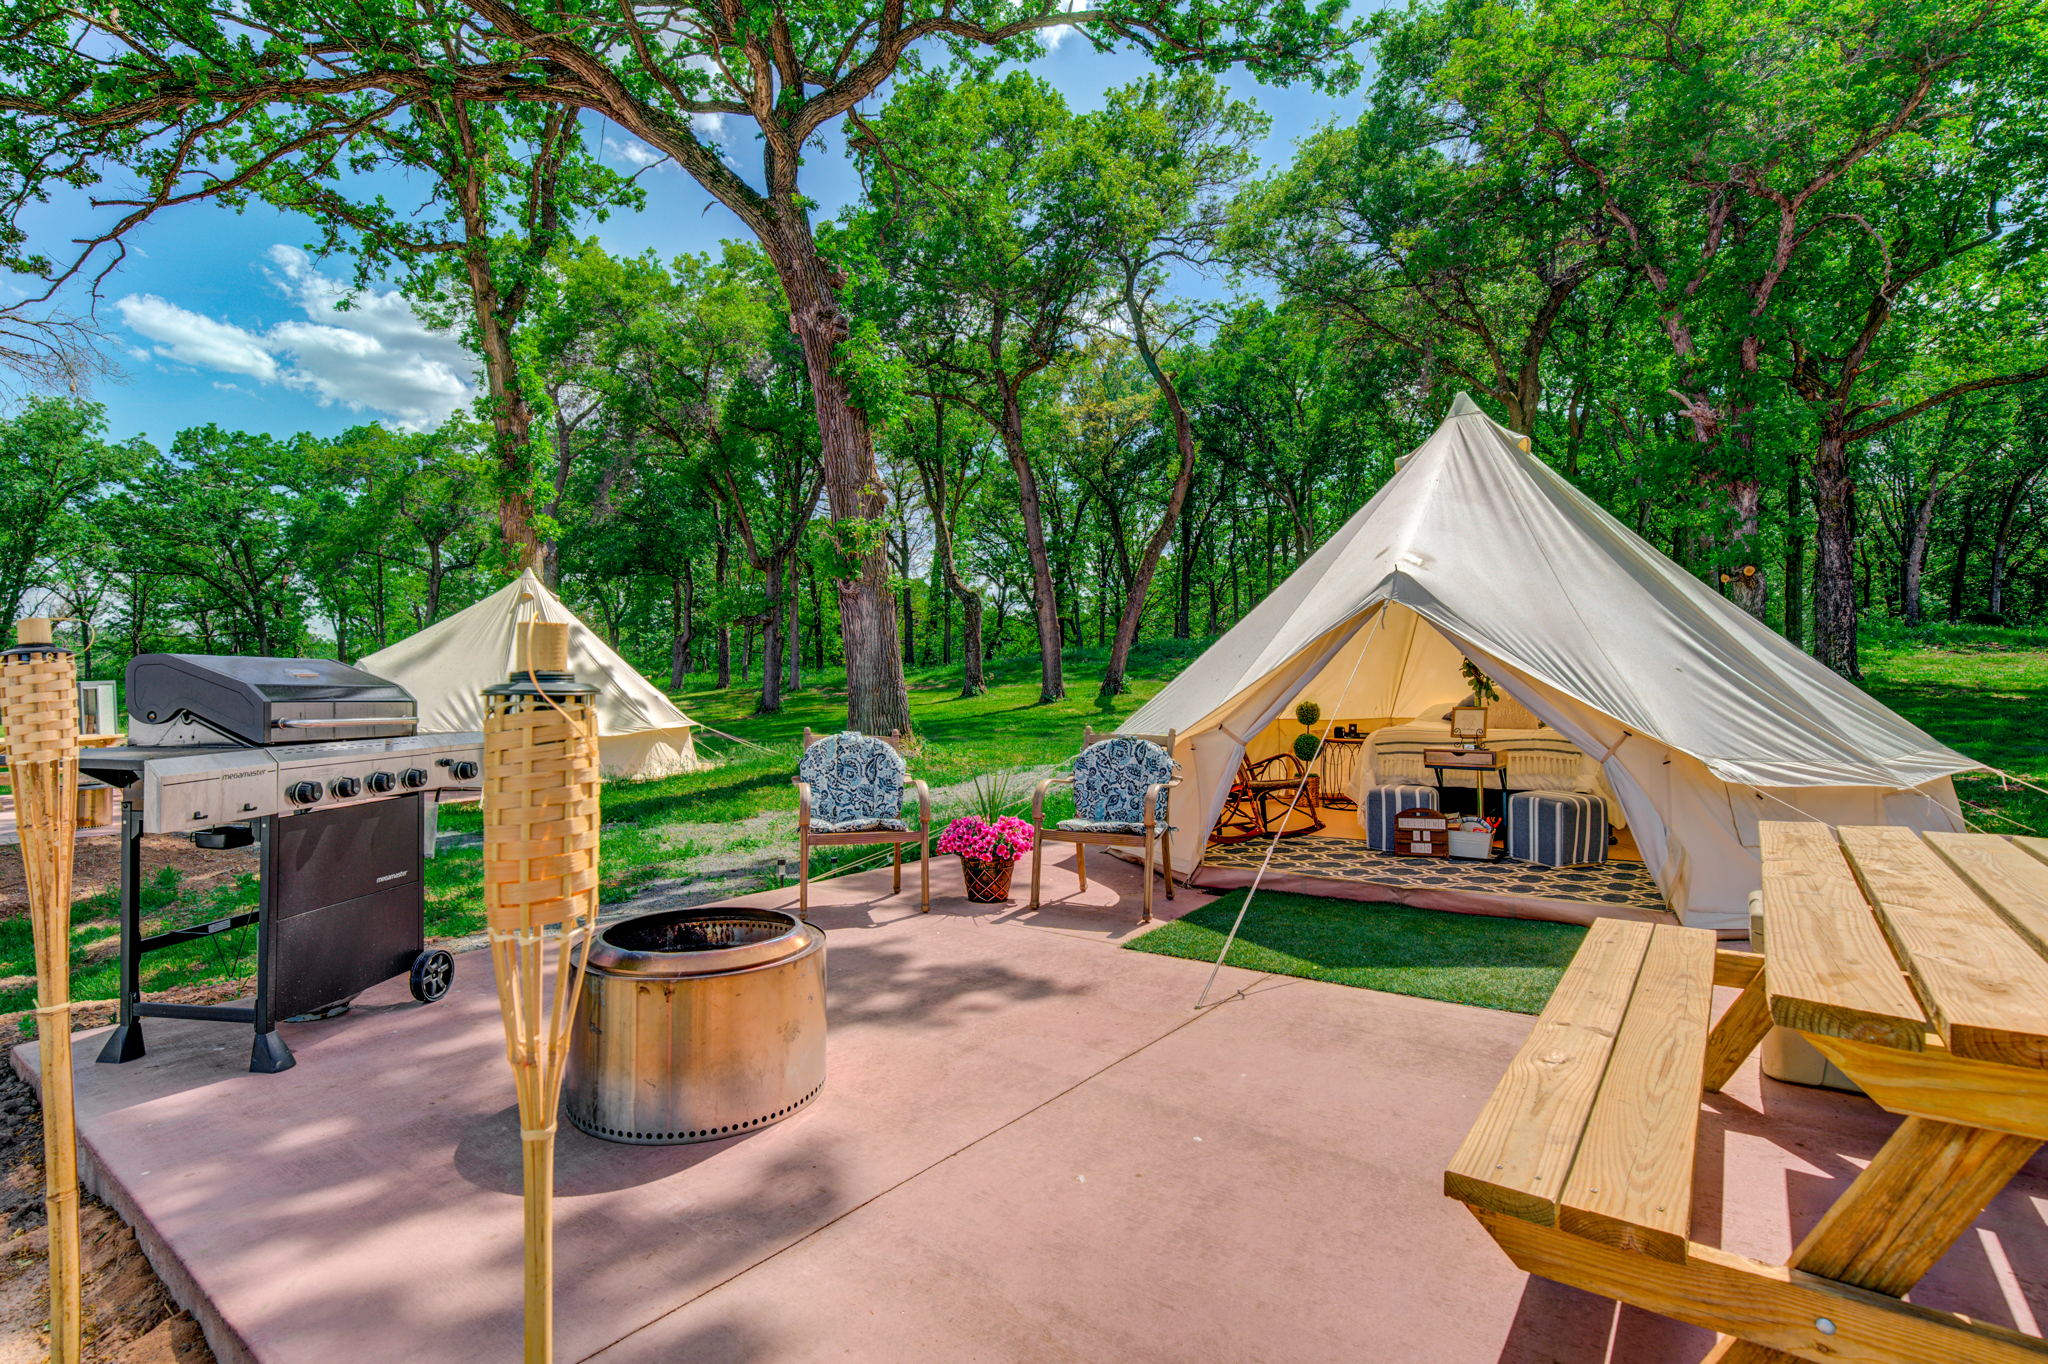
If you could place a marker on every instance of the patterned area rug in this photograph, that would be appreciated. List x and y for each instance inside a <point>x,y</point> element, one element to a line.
<point>1350,859</point>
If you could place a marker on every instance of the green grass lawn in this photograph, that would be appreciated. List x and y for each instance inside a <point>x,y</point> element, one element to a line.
<point>961,738</point>
<point>1983,692</point>
<point>1510,964</point>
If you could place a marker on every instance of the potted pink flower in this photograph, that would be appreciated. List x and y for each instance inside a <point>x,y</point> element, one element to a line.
<point>988,850</point>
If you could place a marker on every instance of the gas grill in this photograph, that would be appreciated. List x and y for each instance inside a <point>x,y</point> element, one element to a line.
<point>247,751</point>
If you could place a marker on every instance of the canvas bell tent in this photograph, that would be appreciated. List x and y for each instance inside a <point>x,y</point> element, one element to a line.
<point>1697,720</point>
<point>446,666</point>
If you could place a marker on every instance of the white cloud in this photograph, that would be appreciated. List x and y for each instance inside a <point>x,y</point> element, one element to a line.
<point>1053,37</point>
<point>195,340</point>
<point>633,152</point>
<point>712,128</point>
<point>372,355</point>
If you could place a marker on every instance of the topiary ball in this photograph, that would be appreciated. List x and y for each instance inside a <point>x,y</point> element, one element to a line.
<point>1306,746</point>
<point>1308,712</point>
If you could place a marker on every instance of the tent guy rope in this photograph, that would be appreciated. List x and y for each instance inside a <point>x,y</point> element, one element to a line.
<point>1258,877</point>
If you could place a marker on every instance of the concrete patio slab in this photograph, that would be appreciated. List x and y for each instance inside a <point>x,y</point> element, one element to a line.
<point>1029,1147</point>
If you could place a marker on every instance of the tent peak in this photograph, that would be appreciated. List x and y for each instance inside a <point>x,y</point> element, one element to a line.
<point>1463,406</point>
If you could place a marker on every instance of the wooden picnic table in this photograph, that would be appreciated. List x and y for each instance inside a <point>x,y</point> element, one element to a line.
<point>1918,965</point>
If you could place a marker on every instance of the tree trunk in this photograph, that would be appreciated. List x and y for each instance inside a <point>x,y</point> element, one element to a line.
<point>909,618</point>
<point>718,574</point>
<point>877,701</point>
<point>1184,580</point>
<point>817,624</point>
<point>1052,682</point>
<point>796,638</point>
<point>945,600</point>
<point>683,611</point>
<point>1834,569</point>
<point>1959,568</point>
<point>1750,591</point>
<point>771,653</point>
<point>1140,584</point>
<point>2001,538</point>
<point>1914,567</point>
<point>1795,555</point>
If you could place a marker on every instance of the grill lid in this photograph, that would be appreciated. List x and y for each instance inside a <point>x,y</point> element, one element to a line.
<point>264,700</point>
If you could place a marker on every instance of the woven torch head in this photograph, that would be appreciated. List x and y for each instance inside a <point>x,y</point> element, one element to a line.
<point>541,784</point>
<point>39,698</point>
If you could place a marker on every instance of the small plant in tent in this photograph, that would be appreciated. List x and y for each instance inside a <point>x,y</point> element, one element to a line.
<point>1306,713</point>
<point>1483,690</point>
<point>1306,746</point>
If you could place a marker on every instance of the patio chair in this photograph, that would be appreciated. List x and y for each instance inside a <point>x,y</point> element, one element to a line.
<point>849,790</point>
<point>1120,783</point>
<point>1259,800</point>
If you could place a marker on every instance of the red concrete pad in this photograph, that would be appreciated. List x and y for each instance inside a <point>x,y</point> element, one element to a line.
<point>365,1203</point>
<point>1004,1165</point>
<point>1260,1184</point>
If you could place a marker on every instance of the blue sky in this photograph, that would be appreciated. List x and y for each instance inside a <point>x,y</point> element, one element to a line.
<point>223,317</point>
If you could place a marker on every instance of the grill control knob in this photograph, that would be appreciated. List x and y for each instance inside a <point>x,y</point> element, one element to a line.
<point>382,782</point>
<point>345,787</point>
<point>464,770</point>
<point>304,793</point>
<point>414,778</point>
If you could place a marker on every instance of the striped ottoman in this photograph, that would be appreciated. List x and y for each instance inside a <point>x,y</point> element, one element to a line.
<point>1382,803</point>
<point>1557,828</point>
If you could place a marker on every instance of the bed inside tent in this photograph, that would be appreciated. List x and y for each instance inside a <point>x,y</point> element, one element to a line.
<point>1395,681</point>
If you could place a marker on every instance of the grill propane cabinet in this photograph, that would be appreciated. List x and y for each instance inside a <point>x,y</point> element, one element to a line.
<point>316,764</point>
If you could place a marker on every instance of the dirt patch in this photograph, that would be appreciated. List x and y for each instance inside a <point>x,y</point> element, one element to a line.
<point>129,1318</point>
<point>96,867</point>
<point>98,1013</point>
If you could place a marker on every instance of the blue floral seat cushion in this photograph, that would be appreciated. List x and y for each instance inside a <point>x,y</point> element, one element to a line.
<point>1106,826</point>
<point>1110,778</point>
<point>860,826</point>
<point>856,784</point>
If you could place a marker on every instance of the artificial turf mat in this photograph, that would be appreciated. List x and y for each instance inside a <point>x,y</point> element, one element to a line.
<point>1510,964</point>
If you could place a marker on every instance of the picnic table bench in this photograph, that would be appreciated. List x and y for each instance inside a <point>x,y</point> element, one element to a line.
<point>1916,964</point>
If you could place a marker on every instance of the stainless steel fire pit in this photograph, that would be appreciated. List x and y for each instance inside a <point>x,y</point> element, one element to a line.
<point>697,1024</point>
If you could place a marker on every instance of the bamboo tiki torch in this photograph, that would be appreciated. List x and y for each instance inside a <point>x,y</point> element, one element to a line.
<point>39,705</point>
<point>540,894</point>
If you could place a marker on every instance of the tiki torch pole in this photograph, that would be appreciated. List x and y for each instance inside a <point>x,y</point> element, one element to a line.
<point>540,896</point>
<point>39,705</point>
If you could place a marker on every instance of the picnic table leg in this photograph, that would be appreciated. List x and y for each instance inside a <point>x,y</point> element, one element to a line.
<point>1737,1034</point>
<point>1926,1186</point>
<point>1744,1025</point>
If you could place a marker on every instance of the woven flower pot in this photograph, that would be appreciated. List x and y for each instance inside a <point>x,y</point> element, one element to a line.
<point>988,883</point>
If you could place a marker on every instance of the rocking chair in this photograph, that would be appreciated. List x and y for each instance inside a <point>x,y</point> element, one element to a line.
<point>1262,798</point>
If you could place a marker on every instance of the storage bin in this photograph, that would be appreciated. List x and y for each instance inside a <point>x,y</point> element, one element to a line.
<point>1376,813</point>
<point>1557,828</point>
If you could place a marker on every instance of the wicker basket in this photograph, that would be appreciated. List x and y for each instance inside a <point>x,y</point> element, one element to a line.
<point>988,883</point>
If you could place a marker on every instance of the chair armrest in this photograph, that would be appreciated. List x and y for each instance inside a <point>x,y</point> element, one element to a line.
<point>924,805</point>
<point>1038,798</point>
<point>1151,807</point>
<point>803,804</point>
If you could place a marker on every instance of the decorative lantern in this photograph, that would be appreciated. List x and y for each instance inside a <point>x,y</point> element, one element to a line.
<point>39,705</point>
<point>540,799</point>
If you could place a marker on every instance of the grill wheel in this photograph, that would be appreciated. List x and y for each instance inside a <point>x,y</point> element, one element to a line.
<point>433,971</point>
